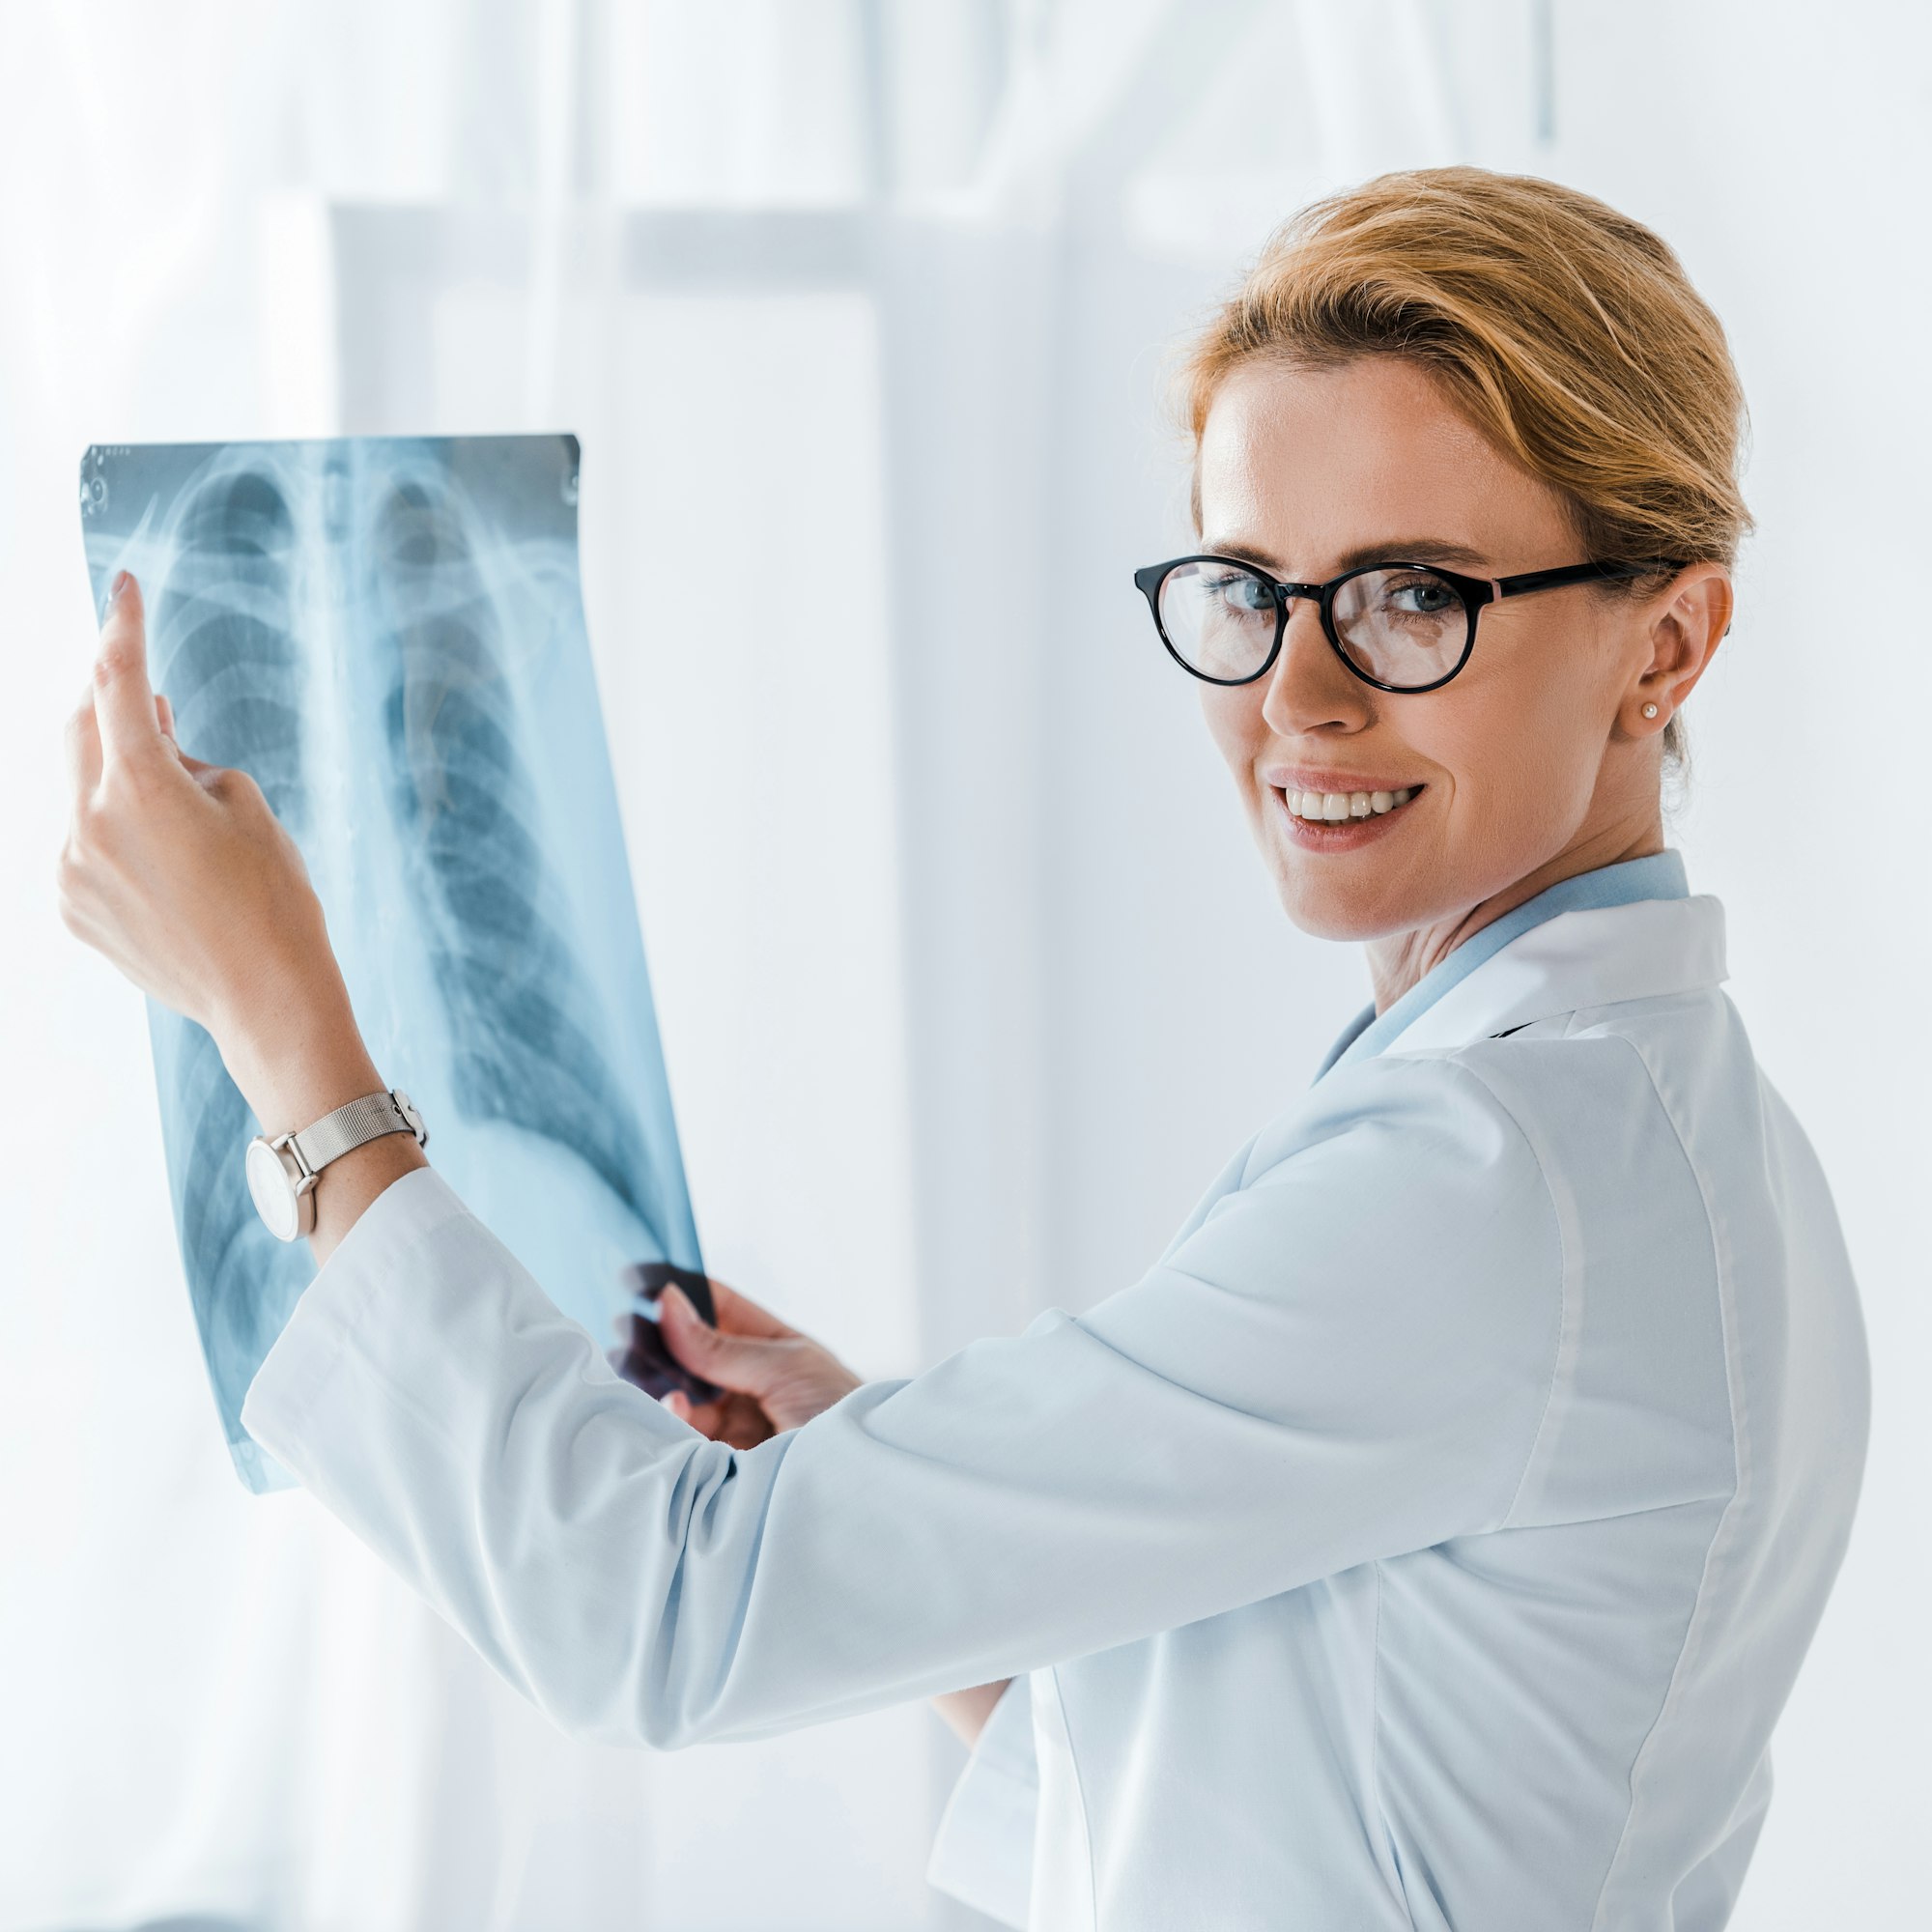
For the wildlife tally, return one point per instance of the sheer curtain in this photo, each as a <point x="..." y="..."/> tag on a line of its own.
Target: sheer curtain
<point x="966" y="978"/>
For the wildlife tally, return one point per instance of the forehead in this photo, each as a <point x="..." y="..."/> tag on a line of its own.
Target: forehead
<point x="1306" y="465"/>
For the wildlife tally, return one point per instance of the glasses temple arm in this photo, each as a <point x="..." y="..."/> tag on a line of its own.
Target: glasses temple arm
<point x="1599" y="572"/>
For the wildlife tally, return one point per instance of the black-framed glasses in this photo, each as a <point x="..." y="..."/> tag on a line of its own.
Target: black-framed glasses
<point x="1403" y="626"/>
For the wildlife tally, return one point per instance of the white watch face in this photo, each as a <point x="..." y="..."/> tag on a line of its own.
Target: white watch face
<point x="273" y="1191"/>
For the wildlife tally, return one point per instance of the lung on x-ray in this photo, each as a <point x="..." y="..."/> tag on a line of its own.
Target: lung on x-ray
<point x="388" y="635"/>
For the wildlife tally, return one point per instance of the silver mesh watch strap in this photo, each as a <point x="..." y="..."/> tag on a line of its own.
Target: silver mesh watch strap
<point x="333" y="1136"/>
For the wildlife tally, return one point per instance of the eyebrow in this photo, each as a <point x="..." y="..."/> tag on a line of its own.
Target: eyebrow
<point x="1396" y="549"/>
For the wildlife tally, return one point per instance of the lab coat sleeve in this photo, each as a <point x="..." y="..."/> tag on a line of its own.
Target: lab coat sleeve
<point x="1348" y="1357"/>
<point x="984" y="1853"/>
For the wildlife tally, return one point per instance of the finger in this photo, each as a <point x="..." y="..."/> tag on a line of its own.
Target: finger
<point x="741" y="1362"/>
<point x="745" y="1426"/>
<point x="123" y="700"/>
<point x="707" y="1418"/>
<point x="82" y="741"/>
<point x="739" y="1315"/>
<point x="164" y="716"/>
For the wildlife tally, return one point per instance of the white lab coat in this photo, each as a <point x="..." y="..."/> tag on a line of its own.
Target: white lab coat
<point x="1430" y="1538"/>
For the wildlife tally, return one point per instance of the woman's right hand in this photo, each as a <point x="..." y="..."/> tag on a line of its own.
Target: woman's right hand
<point x="774" y="1378"/>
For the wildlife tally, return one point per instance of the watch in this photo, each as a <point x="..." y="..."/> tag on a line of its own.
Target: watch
<point x="282" y="1171"/>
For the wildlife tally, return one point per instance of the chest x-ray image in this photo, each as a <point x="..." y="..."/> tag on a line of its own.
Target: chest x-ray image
<point x="388" y="635"/>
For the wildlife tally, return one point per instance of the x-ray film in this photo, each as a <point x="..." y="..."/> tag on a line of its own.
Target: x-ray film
<point x="388" y="635"/>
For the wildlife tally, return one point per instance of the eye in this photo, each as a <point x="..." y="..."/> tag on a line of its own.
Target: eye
<point x="1420" y="597"/>
<point x="1246" y="596"/>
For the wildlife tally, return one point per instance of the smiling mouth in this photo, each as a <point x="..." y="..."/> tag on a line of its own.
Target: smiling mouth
<point x="1333" y="807"/>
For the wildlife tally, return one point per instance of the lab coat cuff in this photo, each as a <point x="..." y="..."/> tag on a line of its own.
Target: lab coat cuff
<point x="984" y="1853"/>
<point x="335" y="1304"/>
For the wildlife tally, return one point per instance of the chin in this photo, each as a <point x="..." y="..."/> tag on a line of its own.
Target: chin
<point x="1331" y="910"/>
<point x="1350" y="898"/>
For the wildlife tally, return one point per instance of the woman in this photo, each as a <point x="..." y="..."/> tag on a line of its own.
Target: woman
<point x="1432" y="1535"/>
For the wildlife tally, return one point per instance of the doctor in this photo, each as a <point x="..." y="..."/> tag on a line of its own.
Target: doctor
<point x="1430" y="1537"/>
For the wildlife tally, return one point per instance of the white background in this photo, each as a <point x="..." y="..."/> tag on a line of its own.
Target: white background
<point x="966" y="976"/>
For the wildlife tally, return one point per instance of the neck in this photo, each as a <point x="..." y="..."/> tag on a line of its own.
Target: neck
<point x="1399" y="960"/>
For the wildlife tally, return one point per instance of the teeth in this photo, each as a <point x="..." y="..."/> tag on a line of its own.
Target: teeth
<point x="1330" y="806"/>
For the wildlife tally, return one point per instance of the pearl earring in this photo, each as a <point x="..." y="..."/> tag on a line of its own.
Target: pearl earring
<point x="1650" y="711"/>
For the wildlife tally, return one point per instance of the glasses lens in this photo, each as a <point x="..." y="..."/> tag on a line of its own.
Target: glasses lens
<point x="1219" y="618"/>
<point x="1403" y="626"/>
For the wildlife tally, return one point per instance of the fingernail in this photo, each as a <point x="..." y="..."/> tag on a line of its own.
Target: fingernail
<point x="121" y="579"/>
<point x="674" y="1293"/>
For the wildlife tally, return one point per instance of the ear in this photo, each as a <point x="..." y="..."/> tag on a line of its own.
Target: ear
<point x="1683" y="624"/>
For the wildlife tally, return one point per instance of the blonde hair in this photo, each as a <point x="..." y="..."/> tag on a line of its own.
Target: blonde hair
<point x="1567" y="333"/>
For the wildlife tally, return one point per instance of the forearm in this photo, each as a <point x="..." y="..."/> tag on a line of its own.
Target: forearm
<point x="179" y="872"/>
<point x="966" y="1710"/>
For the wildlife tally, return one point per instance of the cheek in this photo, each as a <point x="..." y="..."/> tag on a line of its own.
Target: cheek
<point x="1518" y="749"/>
<point x="1233" y="717"/>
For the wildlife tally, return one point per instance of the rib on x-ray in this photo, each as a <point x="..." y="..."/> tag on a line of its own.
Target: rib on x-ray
<point x="388" y="636"/>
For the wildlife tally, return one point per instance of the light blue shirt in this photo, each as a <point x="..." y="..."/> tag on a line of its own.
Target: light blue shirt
<point x="1428" y="1539"/>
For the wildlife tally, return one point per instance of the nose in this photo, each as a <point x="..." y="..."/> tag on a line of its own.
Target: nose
<point x="1310" y="689"/>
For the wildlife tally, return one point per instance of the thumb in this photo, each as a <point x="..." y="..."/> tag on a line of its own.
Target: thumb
<point x="124" y="702"/>
<point x="742" y="1363"/>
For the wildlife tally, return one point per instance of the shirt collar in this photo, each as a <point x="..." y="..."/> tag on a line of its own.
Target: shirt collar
<point x="1628" y="931"/>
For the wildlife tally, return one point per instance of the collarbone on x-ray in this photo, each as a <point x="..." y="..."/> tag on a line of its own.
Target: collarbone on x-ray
<point x="387" y="634"/>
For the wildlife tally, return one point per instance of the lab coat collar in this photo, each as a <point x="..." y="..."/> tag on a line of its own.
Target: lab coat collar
<point x="1629" y="932"/>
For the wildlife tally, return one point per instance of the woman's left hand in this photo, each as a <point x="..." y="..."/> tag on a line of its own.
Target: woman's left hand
<point x="774" y="1379"/>
<point x="176" y="870"/>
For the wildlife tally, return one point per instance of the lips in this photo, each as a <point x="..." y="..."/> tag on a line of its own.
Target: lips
<point x="1343" y="813"/>
<point x="1336" y="778"/>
